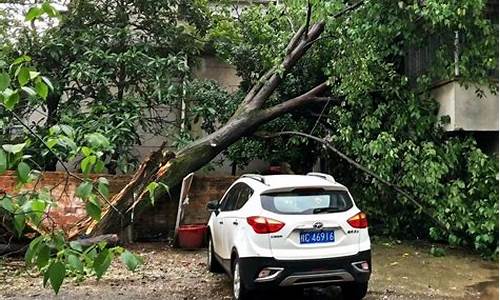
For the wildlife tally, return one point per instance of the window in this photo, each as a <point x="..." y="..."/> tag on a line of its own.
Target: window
<point x="229" y="200"/>
<point x="304" y="202"/>
<point x="236" y="197"/>
<point x="245" y="193"/>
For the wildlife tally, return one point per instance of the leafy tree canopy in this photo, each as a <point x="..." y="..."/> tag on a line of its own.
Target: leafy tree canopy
<point x="379" y="113"/>
<point x="118" y="68"/>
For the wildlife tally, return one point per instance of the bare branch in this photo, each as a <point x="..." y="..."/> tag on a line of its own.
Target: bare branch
<point x="290" y="60"/>
<point x="348" y="9"/>
<point x="295" y="40"/>
<point x="309" y="97"/>
<point x="308" y="17"/>
<point x="298" y="45"/>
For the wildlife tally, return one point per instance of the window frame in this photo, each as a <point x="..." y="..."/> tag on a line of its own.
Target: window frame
<point x="231" y="200"/>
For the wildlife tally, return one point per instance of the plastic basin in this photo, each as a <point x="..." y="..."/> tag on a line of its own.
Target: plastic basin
<point x="191" y="236"/>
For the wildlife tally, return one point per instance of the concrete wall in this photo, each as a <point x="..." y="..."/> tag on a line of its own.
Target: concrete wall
<point x="465" y="109"/>
<point x="215" y="69"/>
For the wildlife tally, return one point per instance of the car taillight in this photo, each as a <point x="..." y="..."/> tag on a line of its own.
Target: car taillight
<point x="264" y="225"/>
<point x="358" y="221"/>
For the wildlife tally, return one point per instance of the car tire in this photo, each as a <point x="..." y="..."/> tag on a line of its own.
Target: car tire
<point x="355" y="291"/>
<point x="212" y="263"/>
<point x="239" y="290"/>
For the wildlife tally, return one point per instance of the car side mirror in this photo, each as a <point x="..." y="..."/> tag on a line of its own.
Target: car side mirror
<point x="213" y="205"/>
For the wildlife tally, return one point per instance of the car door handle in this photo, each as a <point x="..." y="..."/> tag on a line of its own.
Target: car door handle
<point x="235" y="222"/>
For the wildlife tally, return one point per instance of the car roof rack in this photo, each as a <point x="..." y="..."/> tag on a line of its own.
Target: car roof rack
<point x="326" y="177"/>
<point x="257" y="177"/>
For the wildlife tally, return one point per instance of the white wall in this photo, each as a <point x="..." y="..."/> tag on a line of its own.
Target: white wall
<point x="466" y="110"/>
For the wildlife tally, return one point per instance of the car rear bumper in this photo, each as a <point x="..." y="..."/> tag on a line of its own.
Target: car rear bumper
<point x="305" y="272"/>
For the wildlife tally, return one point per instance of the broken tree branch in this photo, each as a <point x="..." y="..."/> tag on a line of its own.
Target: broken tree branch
<point x="170" y="168"/>
<point x="306" y="98"/>
<point x="359" y="167"/>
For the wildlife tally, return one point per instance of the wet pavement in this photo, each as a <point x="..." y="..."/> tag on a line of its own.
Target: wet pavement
<point x="400" y="271"/>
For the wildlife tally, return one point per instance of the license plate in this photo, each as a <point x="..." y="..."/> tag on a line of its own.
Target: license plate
<point x="314" y="237"/>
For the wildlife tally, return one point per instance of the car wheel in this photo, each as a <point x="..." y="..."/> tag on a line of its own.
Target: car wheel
<point x="355" y="291"/>
<point x="212" y="263"/>
<point x="239" y="290"/>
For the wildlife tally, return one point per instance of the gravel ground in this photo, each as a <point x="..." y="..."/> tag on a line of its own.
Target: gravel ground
<point x="401" y="271"/>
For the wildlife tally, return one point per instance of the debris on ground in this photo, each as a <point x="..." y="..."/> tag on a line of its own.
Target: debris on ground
<point x="400" y="271"/>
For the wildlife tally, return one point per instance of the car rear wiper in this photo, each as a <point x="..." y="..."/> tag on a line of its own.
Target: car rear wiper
<point x="325" y="210"/>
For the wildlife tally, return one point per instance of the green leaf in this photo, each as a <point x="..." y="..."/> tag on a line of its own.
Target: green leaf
<point x="437" y="251"/>
<point x="45" y="278"/>
<point x="84" y="190"/>
<point x="3" y="161"/>
<point x="8" y="205"/>
<point x="130" y="260"/>
<point x="103" y="188"/>
<point x="99" y="166"/>
<point x="19" y="223"/>
<point x="38" y="208"/>
<point x="75" y="245"/>
<point x="151" y="189"/>
<point x="33" y="249"/>
<point x="75" y="263"/>
<point x="49" y="9"/>
<point x="102" y="262"/>
<point x="42" y="89"/>
<point x="23" y="172"/>
<point x="97" y="140"/>
<point x="57" y="272"/>
<point x="16" y="148"/>
<point x="86" y="151"/>
<point x="33" y="13"/>
<point x="34" y="74"/>
<point x="21" y="59"/>
<point x="48" y="83"/>
<point x="42" y="259"/>
<point x="87" y="163"/>
<point x="68" y="130"/>
<point x="11" y="100"/>
<point x="54" y="130"/>
<point x="4" y="81"/>
<point x="93" y="210"/>
<point x="164" y="186"/>
<point x="51" y="143"/>
<point x="23" y="76"/>
<point x="31" y="92"/>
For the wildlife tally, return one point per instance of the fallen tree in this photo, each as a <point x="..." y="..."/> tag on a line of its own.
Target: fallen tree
<point x="169" y="168"/>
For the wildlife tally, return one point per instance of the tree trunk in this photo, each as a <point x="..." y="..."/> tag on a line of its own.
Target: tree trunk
<point x="169" y="168"/>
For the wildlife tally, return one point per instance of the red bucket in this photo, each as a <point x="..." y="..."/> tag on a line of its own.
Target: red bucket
<point x="191" y="236"/>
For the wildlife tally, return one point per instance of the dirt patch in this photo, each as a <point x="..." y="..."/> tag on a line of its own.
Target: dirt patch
<point x="408" y="269"/>
<point x="401" y="271"/>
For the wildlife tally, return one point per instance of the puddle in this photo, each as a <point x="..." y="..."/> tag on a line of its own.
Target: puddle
<point x="486" y="290"/>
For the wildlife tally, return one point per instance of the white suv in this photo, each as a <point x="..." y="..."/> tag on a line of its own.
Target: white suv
<point x="289" y="231"/>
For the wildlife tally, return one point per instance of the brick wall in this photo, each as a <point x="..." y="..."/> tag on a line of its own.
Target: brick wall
<point x="155" y="222"/>
<point x="69" y="208"/>
<point x="203" y="190"/>
<point x="158" y="222"/>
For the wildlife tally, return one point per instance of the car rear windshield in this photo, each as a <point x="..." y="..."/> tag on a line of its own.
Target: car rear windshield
<point x="305" y="202"/>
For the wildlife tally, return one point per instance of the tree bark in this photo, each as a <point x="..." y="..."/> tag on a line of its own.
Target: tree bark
<point x="170" y="168"/>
